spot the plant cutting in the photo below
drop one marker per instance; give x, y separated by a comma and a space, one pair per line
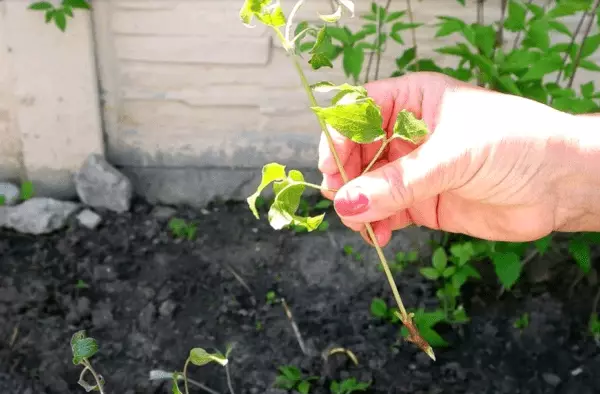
351, 113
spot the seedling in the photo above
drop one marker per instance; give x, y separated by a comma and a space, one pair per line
401, 261
522, 322
348, 386
380, 310
81, 284
352, 113
291, 378
271, 297
83, 348
59, 13
349, 251
181, 229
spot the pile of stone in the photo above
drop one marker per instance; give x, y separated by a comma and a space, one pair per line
99, 186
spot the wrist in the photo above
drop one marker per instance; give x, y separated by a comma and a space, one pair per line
579, 189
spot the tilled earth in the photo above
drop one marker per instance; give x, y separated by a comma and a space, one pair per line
148, 298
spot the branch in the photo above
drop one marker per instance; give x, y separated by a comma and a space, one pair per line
585, 35
571, 44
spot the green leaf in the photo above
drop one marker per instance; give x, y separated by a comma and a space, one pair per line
251, 9
561, 28
590, 45
272, 16
430, 273
304, 387
68, 11
580, 251
379, 308
462, 274
49, 15
542, 67
320, 51
354, 58
392, 16
290, 372
485, 37
60, 19
588, 89
515, 21
27, 190
568, 7
82, 347
81, 4
589, 65
200, 357
543, 244
409, 128
175, 387
41, 6
448, 272
270, 173
439, 260
360, 121
408, 56
508, 268
288, 193
340, 34
449, 25
538, 35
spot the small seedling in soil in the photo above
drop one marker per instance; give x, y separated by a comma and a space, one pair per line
348, 386
380, 310
271, 297
181, 229
522, 322
83, 348
401, 261
81, 285
291, 378
352, 113
349, 251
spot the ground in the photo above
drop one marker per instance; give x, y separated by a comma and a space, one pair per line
148, 298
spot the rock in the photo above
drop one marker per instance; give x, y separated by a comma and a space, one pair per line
38, 215
88, 218
167, 308
163, 213
146, 317
551, 379
10, 192
100, 185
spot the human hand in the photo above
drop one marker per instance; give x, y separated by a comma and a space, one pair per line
494, 166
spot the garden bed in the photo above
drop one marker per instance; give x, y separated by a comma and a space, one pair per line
148, 298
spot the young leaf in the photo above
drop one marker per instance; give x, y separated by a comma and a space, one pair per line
538, 35
545, 65
319, 52
250, 9
580, 251
408, 56
590, 45
430, 273
82, 347
41, 6
379, 308
409, 128
332, 18
175, 387
290, 372
508, 268
60, 20
588, 89
304, 387
272, 16
349, 4
439, 259
200, 357
485, 38
270, 173
568, 7
354, 58
82, 4
360, 121
543, 244
516, 16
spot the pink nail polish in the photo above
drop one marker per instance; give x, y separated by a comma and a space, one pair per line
353, 203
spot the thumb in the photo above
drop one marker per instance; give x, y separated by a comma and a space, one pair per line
394, 187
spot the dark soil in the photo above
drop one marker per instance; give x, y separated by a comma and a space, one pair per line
151, 298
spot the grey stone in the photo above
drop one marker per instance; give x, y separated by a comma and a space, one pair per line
163, 213
551, 379
89, 219
146, 317
167, 308
10, 192
38, 215
101, 185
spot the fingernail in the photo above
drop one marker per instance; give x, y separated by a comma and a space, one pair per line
353, 202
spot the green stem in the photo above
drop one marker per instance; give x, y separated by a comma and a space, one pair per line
185, 380
229, 384
94, 374
313, 101
385, 143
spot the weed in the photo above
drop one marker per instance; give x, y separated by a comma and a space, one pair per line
291, 378
348, 386
522, 322
349, 251
182, 229
380, 310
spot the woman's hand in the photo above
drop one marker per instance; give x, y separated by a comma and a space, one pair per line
494, 166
